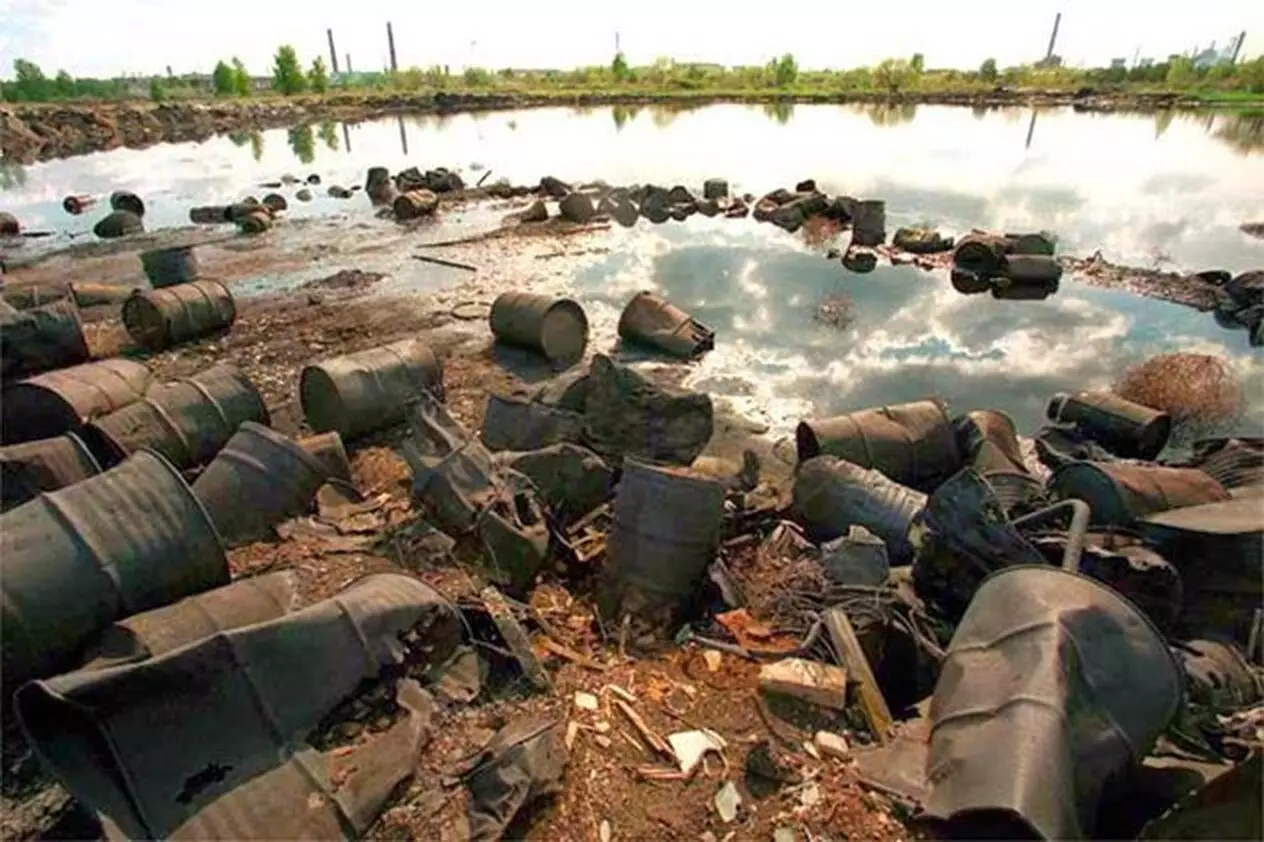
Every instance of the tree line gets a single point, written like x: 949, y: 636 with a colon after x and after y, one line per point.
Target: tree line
x: 288, y: 76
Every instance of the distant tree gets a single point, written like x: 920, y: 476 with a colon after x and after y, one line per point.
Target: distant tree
x: 988, y: 71
x: 892, y: 75
x: 318, y: 76
x: 243, y: 84
x: 302, y: 143
x: 29, y: 82
x: 786, y: 71
x: 223, y: 79
x: 328, y: 133
x: 1180, y: 72
x: 287, y: 74
x: 64, y: 86
x: 157, y: 90
x: 477, y: 77
x: 917, y: 64
x: 619, y: 67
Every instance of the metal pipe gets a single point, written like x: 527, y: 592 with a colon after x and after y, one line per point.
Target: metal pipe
x: 1053, y: 37
x: 333, y: 53
x: 390, y: 40
x: 1080, y: 514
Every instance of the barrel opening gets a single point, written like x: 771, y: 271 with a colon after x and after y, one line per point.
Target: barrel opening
x: 1156, y: 436
x: 107, y: 450
x: 806, y: 442
x: 318, y: 396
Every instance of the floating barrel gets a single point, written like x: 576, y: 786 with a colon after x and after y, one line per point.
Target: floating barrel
x: 41, y: 339
x: 75, y: 560
x: 414, y: 204
x: 1047, y: 669
x: 26, y: 296
x: 968, y: 282
x: 159, y: 319
x: 1120, y: 493
x: 269, y: 473
x: 912, y: 443
x: 1125, y: 428
x: 1006, y: 289
x: 124, y: 200
x: 255, y: 222
x: 170, y: 266
x: 556, y: 327
x: 118, y: 224
x: 869, y: 222
x: 653, y: 320
x: 33, y: 467
x: 327, y: 448
x: 982, y: 254
x: 211, y: 214
x: 77, y: 204
x: 275, y: 202
x: 186, y: 420
x: 1032, y: 269
x: 832, y: 495
x: 665, y: 534
x: 61, y: 401
x: 1030, y: 244
x: 377, y: 176
x: 368, y: 391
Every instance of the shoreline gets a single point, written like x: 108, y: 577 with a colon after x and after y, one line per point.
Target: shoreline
x: 45, y: 131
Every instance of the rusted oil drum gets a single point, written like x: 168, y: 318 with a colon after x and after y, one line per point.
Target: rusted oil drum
x: 912, y: 443
x: 255, y: 222
x: 62, y: 401
x: 1125, y: 428
x: 117, y: 224
x: 186, y: 420
x: 162, y: 318
x: 258, y: 480
x: 968, y: 282
x: 869, y: 222
x: 212, y: 214
x: 988, y: 441
x: 33, y: 467
x: 832, y: 495
x: 1032, y: 269
x: 327, y: 448
x: 170, y: 266
x: 1039, y: 245
x: 653, y: 320
x: 1120, y: 493
x: 76, y: 204
x: 665, y: 534
x: 1047, y: 669
x: 1018, y: 492
x: 125, y: 200
x: 414, y: 204
x: 376, y: 177
x: 275, y: 202
x: 1007, y: 289
x: 26, y: 296
x: 983, y: 254
x: 556, y: 327
x: 41, y: 339
x: 75, y: 560
x: 367, y: 391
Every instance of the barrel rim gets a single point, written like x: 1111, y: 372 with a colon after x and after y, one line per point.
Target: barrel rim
x: 288, y: 444
x: 193, y: 498
x: 334, y: 420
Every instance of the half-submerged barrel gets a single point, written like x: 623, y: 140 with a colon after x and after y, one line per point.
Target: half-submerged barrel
x: 186, y: 420
x: 170, y: 266
x: 33, y: 467
x: 368, y: 391
x: 63, y: 401
x: 75, y: 560
x: 158, y: 319
x: 41, y: 339
x: 125, y: 200
x: 415, y: 204
x: 258, y: 480
x: 1125, y: 428
x: 912, y: 443
x: 665, y: 534
x: 652, y: 320
x: 556, y: 327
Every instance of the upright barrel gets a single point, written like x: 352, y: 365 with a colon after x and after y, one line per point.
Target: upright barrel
x: 556, y: 327
x: 186, y: 420
x: 161, y: 318
x: 666, y: 531
x: 62, y: 401
x: 33, y: 467
x: 169, y: 266
x: 75, y: 560
x: 367, y: 391
x: 1125, y: 428
x: 41, y: 339
x: 271, y: 474
x: 912, y: 443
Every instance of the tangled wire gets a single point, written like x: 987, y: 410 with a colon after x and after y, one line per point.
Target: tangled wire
x: 1192, y: 388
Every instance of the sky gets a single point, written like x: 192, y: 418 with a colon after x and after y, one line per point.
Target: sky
x: 95, y: 38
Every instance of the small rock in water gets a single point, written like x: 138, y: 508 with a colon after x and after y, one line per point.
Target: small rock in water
x: 313, y: 179
x: 303, y: 195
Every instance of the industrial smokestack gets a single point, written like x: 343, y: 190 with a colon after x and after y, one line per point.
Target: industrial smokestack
x: 1237, y: 48
x: 390, y: 40
x: 1053, y: 38
x: 349, y: 70
x: 333, y: 54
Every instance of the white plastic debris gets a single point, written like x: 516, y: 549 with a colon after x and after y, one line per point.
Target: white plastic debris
x: 690, y: 746
x: 727, y: 800
x: 586, y: 701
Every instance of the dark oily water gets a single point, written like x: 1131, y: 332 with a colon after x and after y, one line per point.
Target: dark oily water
x: 1162, y: 190
x: 781, y: 353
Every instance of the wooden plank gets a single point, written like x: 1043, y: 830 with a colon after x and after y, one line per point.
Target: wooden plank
x: 872, y: 703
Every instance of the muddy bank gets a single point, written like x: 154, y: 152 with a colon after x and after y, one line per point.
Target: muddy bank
x: 41, y: 132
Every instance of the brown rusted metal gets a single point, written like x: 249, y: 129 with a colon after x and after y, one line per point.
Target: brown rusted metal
x: 556, y: 327
x: 1125, y: 428
x: 61, y: 401
x: 259, y: 479
x: 1120, y: 493
x: 161, y: 318
x: 368, y: 391
x: 988, y: 441
x: 41, y: 339
x: 912, y: 443
x: 186, y: 420
x: 77, y: 203
x: 26, y: 296
x: 169, y: 266
x: 74, y: 560
x: 415, y: 204
x: 33, y: 467
x: 327, y: 448
x: 652, y: 320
